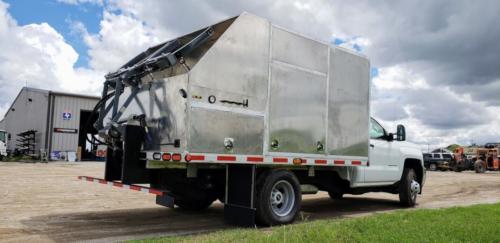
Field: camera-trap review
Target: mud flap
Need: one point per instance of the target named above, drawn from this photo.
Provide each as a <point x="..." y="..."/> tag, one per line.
<point x="165" y="200"/>
<point x="134" y="169"/>
<point x="113" y="168"/>
<point x="239" y="206"/>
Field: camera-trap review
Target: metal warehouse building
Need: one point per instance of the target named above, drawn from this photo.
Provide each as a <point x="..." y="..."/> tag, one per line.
<point x="57" y="120"/>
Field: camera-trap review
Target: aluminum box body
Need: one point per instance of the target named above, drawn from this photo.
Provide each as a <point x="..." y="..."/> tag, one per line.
<point x="262" y="89"/>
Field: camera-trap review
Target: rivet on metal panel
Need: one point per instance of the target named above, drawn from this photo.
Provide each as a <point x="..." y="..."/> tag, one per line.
<point x="274" y="144"/>
<point x="228" y="144"/>
<point x="211" y="99"/>
<point x="319" y="146"/>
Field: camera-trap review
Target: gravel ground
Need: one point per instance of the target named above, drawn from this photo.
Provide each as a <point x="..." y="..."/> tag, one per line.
<point x="47" y="203"/>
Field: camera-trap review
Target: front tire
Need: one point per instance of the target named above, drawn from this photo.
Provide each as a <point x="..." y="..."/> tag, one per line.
<point x="479" y="166"/>
<point x="278" y="198"/>
<point x="409" y="187"/>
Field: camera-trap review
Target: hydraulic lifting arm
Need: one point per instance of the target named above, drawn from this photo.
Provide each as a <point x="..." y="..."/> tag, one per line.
<point x="154" y="59"/>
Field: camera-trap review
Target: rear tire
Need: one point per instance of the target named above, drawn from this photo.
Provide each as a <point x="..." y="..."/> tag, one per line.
<point x="432" y="167"/>
<point x="335" y="195"/>
<point x="278" y="198"/>
<point x="409" y="187"/>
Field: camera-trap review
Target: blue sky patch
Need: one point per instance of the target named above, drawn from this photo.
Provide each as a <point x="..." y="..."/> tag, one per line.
<point x="60" y="16"/>
<point x="373" y="72"/>
<point x="338" y="41"/>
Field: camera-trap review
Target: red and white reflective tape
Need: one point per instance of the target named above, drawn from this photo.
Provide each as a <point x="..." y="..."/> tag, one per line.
<point x="257" y="159"/>
<point x="121" y="185"/>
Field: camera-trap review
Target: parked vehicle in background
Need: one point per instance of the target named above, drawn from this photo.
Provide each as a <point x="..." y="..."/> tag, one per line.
<point x="427" y="161"/>
<point x="486" y="159"/>
<point x="479" y="159"/>
<point x="437" y="161"/>
<point x="3" y="144"/>
<point x="462" y="159"/>
<point x="492" y="145"/>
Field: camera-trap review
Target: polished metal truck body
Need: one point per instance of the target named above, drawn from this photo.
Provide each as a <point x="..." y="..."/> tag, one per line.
<point x="253" y="88"/>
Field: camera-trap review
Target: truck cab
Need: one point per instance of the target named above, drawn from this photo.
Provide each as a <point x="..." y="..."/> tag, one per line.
<point x="389" y="156"/>
<point x="395" y="166"/>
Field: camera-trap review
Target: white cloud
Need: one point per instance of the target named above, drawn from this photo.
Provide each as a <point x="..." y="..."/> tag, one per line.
<point x="120" y="38"/>
<point x="38" y="55"/>
<point x="434" y="115"/>
<point x="398" y="77"/>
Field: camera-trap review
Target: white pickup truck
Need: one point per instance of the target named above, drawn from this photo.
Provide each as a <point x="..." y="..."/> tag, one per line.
<point x="252" y="115"/>
<point x="389" y="163"/>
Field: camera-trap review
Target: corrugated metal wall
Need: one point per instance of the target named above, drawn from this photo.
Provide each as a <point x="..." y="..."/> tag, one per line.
<point x="73" y="105"/>
<point x="26" y="115"/>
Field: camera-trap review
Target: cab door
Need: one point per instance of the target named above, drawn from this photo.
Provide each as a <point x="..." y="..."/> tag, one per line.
<point x="382" y="153"/>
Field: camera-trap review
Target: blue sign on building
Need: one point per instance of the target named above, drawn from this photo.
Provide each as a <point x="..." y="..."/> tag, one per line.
<point x="66" y="116"/>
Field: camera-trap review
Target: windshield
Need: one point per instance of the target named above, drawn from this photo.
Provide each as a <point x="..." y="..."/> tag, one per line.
<point x="2" y="136"/>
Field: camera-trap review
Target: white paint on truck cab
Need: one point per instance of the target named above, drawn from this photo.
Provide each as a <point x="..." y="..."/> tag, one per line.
<point x="387" y="157"/>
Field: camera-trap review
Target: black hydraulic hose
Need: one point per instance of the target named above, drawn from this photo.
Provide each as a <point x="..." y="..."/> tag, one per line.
<point x="92" y="114"/>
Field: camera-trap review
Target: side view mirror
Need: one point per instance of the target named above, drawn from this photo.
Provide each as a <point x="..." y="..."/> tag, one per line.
<point x="401" y="133"/>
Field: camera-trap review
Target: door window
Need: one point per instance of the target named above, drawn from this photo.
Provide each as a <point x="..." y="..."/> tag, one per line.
<point x="376" y="130"/>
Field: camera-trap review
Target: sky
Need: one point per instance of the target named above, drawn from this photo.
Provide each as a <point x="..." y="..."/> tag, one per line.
<point x="435" y="64"/>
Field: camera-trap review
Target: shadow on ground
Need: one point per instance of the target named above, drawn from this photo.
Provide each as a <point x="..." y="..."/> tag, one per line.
<point x="156" y="221"/>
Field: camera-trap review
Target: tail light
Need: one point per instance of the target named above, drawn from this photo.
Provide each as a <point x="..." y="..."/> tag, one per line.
<point x="297" y="161"/>
<point x="176" y="157"/>
<point x="166" y="157"/>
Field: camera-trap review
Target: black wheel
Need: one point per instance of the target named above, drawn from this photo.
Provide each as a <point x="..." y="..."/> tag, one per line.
<point x="335" y="195"/>
<point x="409" y="187"/>
<point x="278" y="198"/>
<point x="433" y="167"/>
<point x="479" y="166"/>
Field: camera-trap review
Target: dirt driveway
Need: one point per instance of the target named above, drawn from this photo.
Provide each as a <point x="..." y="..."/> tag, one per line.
<point x="46" y="202"/>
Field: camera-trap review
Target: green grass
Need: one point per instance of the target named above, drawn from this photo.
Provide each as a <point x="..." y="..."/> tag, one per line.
<point x="480" y="223"/>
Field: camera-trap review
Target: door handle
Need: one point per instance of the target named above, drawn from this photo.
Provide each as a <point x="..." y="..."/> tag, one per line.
<point x="371" y="145"/>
